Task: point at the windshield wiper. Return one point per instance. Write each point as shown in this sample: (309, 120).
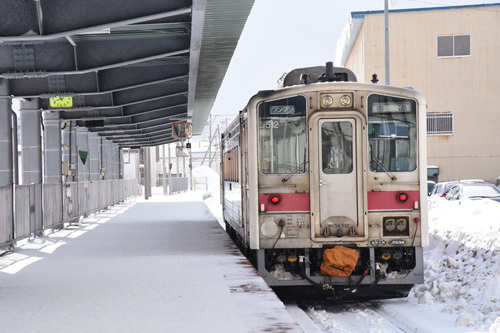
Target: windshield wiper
(284, 180)
(386, 170)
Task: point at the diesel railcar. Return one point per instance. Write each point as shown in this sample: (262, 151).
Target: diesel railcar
(322, 164)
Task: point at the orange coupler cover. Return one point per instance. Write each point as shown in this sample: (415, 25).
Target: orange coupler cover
(339, 261)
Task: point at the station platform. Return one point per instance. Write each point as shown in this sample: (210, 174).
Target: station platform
(161, 265)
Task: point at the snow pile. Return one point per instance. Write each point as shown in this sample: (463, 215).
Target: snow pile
(462, 263)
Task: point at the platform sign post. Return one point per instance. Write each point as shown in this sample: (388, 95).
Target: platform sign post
(182, 130)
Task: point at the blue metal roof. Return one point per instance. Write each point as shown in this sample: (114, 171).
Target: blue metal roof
(362, 14)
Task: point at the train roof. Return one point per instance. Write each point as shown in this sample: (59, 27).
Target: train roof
(328, 73)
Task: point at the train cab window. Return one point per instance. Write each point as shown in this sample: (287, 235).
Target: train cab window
(392, 134)
(337, 147)
(282, 136)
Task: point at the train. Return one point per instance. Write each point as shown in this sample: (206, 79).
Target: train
(323, 185)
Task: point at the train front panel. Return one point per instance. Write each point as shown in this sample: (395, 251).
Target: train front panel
(337, 164)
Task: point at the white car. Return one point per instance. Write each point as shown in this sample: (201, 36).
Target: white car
(474, 191)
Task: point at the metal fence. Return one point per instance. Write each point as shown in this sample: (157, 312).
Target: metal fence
(6, 226)
(29, 209)
(52, 205)
(178, 185)
(173, 185)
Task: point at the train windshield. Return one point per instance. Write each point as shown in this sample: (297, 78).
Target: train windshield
(282, 136)
(392, 134)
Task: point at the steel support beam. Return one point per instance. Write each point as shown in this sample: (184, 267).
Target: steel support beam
(94, 156)
(83, 145)
(120, 163)
(52, 147)
(6, 174)
(66, 147)
(109, 160)
(116, 160)
(73, 157)
(31, 153)
(31, 142)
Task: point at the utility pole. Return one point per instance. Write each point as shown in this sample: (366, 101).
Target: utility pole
(183, 160)
(147, 173)
(387, 69)
(210, 139)
(177, 161)
(169, 171)
(190, 168)
(164, 171)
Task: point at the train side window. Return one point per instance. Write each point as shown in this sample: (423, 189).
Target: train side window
(392, 134)
(283, 136)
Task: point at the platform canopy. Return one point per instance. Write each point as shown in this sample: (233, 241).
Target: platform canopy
(126, 69)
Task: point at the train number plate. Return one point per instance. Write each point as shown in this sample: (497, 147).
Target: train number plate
(292, 232)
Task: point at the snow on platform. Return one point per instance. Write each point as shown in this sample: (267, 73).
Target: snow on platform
(162, 265)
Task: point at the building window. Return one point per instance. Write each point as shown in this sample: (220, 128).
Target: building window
(453, 46)
(439, 124)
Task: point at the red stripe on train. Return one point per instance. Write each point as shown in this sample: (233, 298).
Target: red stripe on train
(289, 202)
(388, 200)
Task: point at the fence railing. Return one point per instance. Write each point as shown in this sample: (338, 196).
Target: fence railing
(177, 185)
(6, 226)
(29, 209)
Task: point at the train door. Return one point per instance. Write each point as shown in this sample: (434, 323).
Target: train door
(336, 166)
(243, 169)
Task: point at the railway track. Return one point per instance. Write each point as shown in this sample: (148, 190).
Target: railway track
(325, 316)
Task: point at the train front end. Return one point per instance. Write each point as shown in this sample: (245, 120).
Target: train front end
(337, 169)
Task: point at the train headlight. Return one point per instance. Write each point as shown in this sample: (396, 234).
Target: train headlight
(390, 224)
(327, 100)
(345, 100)
(396, 226)
(336, 100)
(401, 224)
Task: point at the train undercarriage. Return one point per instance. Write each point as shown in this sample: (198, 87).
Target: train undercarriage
(380, 272)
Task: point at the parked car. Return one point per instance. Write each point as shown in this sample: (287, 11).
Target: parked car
(474, 191)
(430, 186)
(441, 189)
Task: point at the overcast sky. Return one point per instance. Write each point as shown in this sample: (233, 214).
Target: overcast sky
(281, 35)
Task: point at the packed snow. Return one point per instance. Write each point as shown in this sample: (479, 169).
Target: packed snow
(462, 263)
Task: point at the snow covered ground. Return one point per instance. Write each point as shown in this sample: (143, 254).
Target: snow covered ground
(461, 292)
(161, 265)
